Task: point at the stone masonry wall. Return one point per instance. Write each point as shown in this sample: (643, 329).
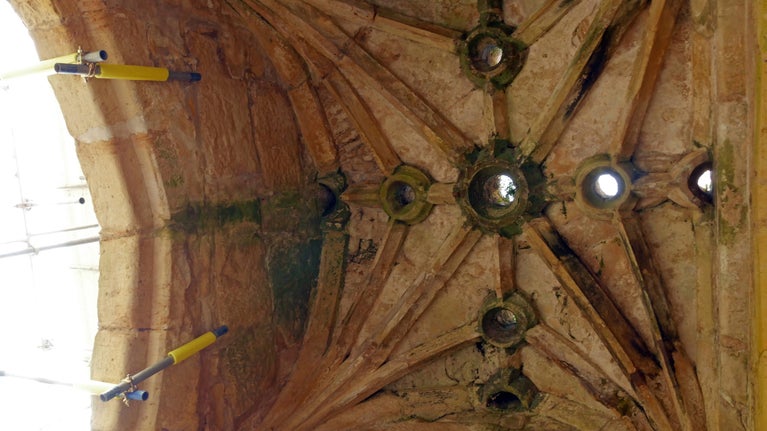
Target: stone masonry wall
(191, 184)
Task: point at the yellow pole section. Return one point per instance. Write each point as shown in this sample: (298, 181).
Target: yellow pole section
(133, 73)
(44, 67)
(192, 347)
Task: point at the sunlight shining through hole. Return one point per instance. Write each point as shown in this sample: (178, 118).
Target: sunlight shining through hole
(500, 190)
(704, 182)
(486, 53)
(492, 55)
(607, 186)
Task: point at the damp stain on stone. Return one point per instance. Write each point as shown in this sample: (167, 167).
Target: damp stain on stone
(202, 217)
(174, 181)
(251, 358)
(733, 214)
(365, 252)
(725, 159)
(293, 267)
(291, 212)
(601, 268)
(592, 70)
(557, 245)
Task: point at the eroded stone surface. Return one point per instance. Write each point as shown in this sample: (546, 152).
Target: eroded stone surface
(204, 194)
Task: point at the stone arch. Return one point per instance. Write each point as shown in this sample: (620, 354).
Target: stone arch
(198, 188)
(114, 146)
(162, 160)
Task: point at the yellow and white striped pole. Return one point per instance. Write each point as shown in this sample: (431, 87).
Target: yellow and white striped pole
(47, 67)
(89, 64)
(174, 357)
(127, 72)
(93, 387)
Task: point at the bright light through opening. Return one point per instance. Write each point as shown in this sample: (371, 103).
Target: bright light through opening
(704, 182)
(492, 55)
(607, 186)
(48, 300)
(500, 190)
(487, 54)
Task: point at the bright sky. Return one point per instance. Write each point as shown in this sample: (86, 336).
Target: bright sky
(608, 185)
(48, 302)
(704, 181)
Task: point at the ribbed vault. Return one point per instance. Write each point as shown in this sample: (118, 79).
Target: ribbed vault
(318, 192)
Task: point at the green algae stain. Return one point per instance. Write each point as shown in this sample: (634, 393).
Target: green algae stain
(290, 212)
(732, 207)
(174, 181)
(725, 165)
(251, 358)
(196, 218)
(293, 268)
(288, 224)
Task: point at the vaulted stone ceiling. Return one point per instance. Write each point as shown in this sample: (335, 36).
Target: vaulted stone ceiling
(392, 205)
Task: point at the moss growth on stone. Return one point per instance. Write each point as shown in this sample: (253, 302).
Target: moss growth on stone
(625, 406)
(724, 165)
(531, 196)
(729, 226)
(293, 268)
(202, 217)
(175, 181)
(729, 231)
(289, 224)
(291, 212)
(251, 358)
(513, 58)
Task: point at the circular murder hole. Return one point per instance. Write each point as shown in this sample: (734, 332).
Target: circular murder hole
(606, 186)
(503, 400)
(499, 190)
(603, 187)
(500, 325)
(493, 192)
(401, 194)
(327, 200)
(701, 182)
(486, 53)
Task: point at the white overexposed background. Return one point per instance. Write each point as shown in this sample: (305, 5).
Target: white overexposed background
(48, 287)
